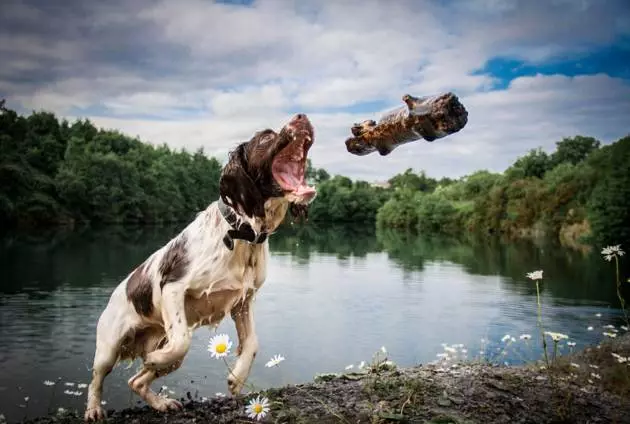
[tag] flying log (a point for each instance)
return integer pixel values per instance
(427, 118)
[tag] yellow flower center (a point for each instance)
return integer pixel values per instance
(258, 408)
(221, 348)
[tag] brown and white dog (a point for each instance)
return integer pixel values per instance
(213, 268)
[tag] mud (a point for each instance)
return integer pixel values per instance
(591, 386)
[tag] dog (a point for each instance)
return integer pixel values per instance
(212, 268)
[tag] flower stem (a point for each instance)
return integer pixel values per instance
(542, 330)
(622, 301)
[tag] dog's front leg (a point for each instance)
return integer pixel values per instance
(176, 328)
(243, 316)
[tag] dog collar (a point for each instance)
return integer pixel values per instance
(242, 230)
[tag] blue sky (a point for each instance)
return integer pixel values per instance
(200, 73)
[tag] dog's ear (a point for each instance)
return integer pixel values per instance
(299, 212)
(236, 187)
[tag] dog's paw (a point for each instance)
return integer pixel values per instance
(94, 414)
(234, 385)
(167, 404)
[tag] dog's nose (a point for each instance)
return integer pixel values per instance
(300, 116)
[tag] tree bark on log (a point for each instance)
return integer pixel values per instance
(427, 118)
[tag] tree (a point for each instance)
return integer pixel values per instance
(574, 150)
(533, 165)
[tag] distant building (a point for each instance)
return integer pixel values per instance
(381, 184)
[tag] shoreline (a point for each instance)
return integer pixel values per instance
(591, 385)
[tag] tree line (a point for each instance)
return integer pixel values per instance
(55, 172)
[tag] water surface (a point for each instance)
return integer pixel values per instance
(332, 298)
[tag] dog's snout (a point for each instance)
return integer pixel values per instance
(300, 116)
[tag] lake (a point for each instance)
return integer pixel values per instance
(333, 297)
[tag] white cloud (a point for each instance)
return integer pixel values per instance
(241, 69)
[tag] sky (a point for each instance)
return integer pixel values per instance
(202, 73)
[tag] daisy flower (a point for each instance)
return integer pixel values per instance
(49, 383)
(525, 337)
(536, 275)
(275, 360)
(556, 337)
(257, 408)
(610, 252)
(220, 345)
(349, 367)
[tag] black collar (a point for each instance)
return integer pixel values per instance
(242, 231)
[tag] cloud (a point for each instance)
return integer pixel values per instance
(205, 74)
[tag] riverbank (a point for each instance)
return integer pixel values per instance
(589, 386)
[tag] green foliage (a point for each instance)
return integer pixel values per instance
(534, 164)
(609, 205)
(52, 172)
(574, 150)
(400, 211)
(339, 199)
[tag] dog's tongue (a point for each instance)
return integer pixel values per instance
(303, 189)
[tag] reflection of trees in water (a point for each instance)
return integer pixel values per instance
(569, 274)
(80, 258)
(88, 257)
(341, 241)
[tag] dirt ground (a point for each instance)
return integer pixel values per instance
(591, 386)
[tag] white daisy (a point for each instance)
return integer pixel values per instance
(590, 328)
(69, 384)
(219, 394)
(361, 365)
(384, 350)
(611, 335)
(349, 367)
(556, 337)
(275, 360)
(525, 337)
(257, 408)
(82, 386)
(49, 383)
(610, 252)
(103, 402)
(506, 338)
(571, 344)
(220, 345)
(536, 275)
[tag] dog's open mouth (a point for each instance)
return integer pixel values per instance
(289, 165)
(290, 175)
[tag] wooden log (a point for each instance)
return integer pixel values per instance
(427, 118)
